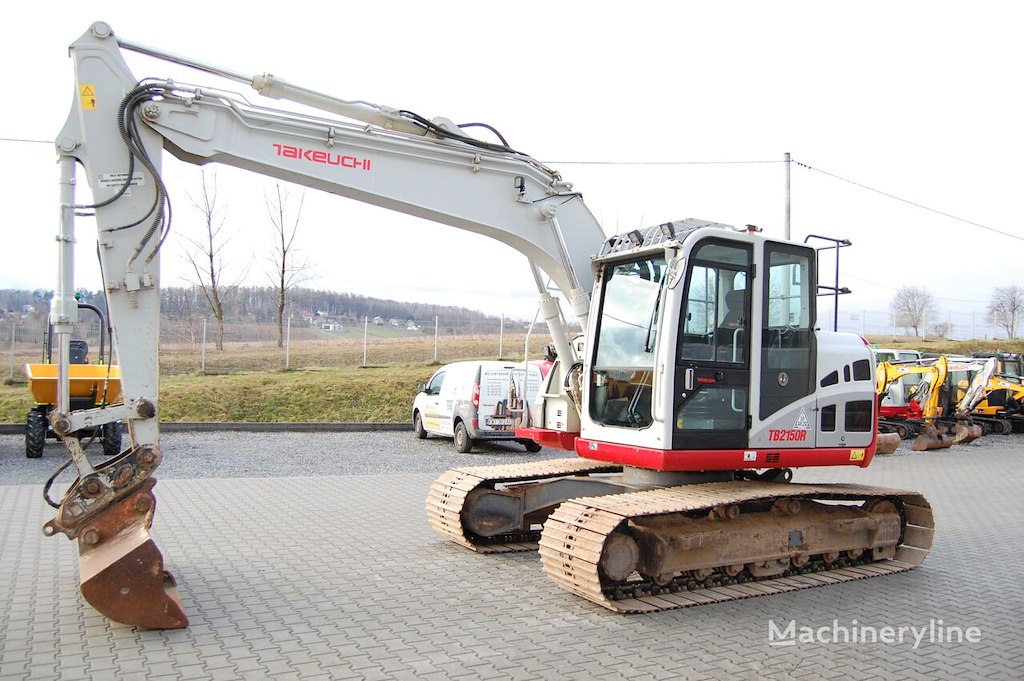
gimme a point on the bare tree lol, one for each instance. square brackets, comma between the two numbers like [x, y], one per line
[206, 253]
[181, 306]
[286, 273]
[912, 308]
[1006, 308]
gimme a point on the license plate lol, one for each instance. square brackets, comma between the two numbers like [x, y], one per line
[498, 422]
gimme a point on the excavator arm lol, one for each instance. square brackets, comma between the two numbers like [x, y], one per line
[117, 130]
[927, 394]
[887, 373]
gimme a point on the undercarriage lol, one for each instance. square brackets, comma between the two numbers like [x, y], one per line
[631, 545]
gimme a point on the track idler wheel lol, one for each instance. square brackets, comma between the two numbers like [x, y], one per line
[122, 570]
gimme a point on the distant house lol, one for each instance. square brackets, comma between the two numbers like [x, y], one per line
[411, 326]
[378, 321]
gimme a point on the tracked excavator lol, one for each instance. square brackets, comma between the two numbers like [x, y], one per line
[934, 411]
[700, 383]
[994, 399]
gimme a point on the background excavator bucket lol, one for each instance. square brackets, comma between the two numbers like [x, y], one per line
[122, 570]
[964, 433]
[887, 443]
[931, 438]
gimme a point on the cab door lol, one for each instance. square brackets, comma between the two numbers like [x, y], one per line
[711, 396]
[787, 338]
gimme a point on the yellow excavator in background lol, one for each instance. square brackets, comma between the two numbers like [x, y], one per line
[994, 399]
[932, 411]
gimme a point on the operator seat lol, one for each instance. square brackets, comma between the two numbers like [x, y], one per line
[79, 352]
[729, 337]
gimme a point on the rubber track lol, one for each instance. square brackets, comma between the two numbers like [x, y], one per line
[574, 536]
[448, 494]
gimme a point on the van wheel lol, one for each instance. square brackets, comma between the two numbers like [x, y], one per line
[417, 426]
[463, 442]
[532, 447]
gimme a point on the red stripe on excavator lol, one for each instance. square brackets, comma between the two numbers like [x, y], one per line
[721, 459]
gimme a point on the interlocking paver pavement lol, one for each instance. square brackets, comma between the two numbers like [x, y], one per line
[341, 577]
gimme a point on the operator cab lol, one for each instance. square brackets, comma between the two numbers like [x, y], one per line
[715, 329]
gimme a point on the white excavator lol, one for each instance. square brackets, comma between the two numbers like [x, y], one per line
[701, 380]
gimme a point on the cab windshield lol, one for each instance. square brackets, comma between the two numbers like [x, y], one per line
[626, 338]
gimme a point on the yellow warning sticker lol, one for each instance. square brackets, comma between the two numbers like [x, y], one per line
[87, 91]
[856, 455]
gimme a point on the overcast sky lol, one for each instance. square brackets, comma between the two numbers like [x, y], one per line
[918, 100]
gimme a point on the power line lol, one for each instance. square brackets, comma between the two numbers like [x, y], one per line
[658, 163]
[18, 139]
[894, 288]
[912, 203]
[710, 163]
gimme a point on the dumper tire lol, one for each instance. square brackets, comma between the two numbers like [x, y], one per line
[112, 438]
[35, 434]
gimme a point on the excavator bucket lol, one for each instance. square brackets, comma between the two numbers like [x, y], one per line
[931, 438]
[887, 443]
[964, 433]
[122, 570]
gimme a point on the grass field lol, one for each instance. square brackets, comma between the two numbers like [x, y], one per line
[327, 382]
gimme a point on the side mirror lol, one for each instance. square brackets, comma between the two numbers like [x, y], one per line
[422, 387]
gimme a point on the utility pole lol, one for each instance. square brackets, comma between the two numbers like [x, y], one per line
[786, 222]
[501, 337]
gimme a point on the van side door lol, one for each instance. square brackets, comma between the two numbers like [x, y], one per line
[432, 404]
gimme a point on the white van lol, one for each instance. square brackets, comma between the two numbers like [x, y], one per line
[477, 400]
[887, 355]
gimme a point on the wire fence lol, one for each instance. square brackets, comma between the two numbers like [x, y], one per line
[197, 344]
[200, 346]
[946, 324]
